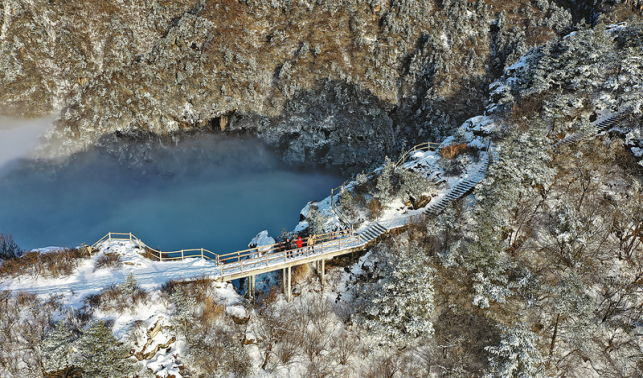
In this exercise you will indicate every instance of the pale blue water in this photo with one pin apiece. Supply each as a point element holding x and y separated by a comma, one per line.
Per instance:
<point>216,194</point>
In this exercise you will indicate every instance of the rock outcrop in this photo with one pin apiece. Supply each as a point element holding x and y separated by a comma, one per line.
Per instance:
<point>333,82</point>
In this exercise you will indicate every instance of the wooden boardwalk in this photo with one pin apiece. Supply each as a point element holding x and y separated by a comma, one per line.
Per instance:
<point>263,259</point>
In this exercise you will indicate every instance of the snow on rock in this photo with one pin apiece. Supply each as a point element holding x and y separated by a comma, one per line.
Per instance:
<point>325,210</point>
<point>262,239</point>
<point>479,125</point>
<point>48,249</point>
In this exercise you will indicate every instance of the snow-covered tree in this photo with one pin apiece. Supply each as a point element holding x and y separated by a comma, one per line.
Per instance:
<point>517,355</point>
<point>397,308</point>
<point>346,202</point>
<point>507,196</point>
<point>385,182</point>
<point>8,247</point>
<point>100,355</point>
<point>129,286</point>
<point>316,221</point>
<point>184,308</point>
<point>57,348</point>
<point>414,185</point>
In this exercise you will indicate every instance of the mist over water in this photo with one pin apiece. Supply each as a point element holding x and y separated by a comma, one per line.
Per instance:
<point>17,139</point>
<point>213,192</point>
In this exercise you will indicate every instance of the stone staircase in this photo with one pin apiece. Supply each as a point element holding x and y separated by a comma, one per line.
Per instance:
<point>371,232</point>
<point>436,207</point>
<point>601,124</point>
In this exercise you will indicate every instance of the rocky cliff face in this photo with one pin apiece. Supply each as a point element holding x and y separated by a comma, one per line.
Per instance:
<point>334,82</point>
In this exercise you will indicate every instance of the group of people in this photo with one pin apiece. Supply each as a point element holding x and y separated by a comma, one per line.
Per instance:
<point>290,243</point>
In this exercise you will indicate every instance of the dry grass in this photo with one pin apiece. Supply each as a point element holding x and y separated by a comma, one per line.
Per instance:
<point>454,150</point>
<point>108,260</point>
<point>150,254</point>
<point>300,273</point>
<point>55,264</point>
<point>114,300</point>
<point>199,288</point>
<point>212,311</point>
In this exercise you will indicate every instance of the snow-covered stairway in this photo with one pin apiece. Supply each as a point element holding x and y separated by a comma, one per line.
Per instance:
<point>601,124</point>
<point>436,207</point>
<point>371,232</point>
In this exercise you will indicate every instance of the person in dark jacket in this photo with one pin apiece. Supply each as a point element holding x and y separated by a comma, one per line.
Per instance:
<point>289,247</point>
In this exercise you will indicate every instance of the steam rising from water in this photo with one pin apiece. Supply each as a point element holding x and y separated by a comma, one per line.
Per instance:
<point>213,192</point>
<point>18,138</point>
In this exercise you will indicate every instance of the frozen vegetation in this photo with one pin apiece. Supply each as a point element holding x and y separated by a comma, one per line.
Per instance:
<point>534,272</point>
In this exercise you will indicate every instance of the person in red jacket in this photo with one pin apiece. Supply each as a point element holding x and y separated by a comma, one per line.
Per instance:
<point>300,243</point>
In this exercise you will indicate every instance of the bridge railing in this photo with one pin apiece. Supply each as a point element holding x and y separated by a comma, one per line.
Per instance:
<point>321,242</point>
<point>243,265</point>
<point>427,146</point>
<point>158,254</point>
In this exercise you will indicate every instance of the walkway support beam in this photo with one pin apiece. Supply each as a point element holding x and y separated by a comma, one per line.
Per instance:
<point>289,284</point>
<point>323,275</point>
<point>252,283</point>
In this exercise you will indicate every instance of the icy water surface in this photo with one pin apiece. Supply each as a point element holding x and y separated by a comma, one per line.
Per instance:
<point>215,192</point>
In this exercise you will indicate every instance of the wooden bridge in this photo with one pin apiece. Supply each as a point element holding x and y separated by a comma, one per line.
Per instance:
<point>268,258</point>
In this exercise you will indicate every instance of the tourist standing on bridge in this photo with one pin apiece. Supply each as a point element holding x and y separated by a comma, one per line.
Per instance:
<point>289,247</point>
<point>311,242</point>
<point>300,243</point>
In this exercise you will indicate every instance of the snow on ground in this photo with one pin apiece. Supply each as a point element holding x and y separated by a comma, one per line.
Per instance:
<point>150,275</point>
<point>85,281</point>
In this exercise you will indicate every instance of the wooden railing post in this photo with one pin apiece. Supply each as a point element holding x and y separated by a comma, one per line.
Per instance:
<point>160,256</point>
<point>218,260</point>
<point>110,237</point>
<point>201,253</point>
<point>182,258</point>
<point>130,236</point>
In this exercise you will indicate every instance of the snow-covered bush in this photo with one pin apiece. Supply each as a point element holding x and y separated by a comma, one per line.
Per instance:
<point>215,352</point>
<point>55,263</point>
<point>108,260</point>
<point>119,298</point>
<point>414,186</point>
<point>24,322</point>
